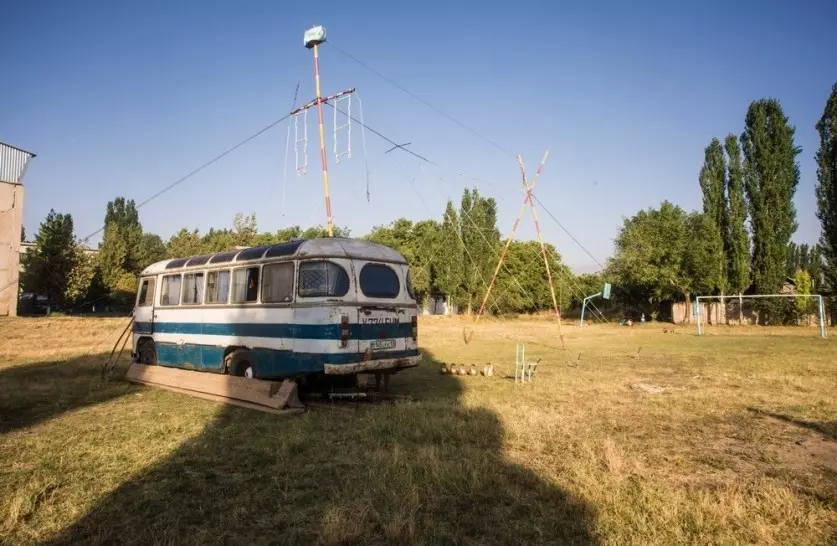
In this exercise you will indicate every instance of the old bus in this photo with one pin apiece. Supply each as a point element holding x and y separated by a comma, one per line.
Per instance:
<point>303,309</point>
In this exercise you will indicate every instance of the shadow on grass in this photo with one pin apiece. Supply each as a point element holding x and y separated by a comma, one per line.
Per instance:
<point>35,392</point>
<point>429,471</point>
<point>827,428</point>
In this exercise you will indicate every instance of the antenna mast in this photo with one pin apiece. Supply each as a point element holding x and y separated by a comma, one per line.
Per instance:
<point>312,38</point>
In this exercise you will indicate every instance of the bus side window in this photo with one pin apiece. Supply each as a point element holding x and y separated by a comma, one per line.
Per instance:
<point>170,290</point>
<point>246,285</point>
<point>278,283</point>
<point>146,295</point>
<point>217,286</point>
<point>193,289</point>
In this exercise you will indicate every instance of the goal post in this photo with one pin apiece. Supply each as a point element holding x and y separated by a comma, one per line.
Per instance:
<point>817,297</point>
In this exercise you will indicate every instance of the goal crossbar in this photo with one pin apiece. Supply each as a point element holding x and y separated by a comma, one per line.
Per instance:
<point>818,297</point>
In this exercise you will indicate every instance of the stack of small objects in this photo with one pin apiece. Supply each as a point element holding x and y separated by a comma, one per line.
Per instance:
<point>454,369</point>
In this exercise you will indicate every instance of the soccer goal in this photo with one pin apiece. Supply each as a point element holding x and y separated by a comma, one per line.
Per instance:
<point>721,312</point>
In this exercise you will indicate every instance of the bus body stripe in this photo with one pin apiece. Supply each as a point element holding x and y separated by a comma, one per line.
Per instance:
<point>279,330</point>
<point>268,363</point>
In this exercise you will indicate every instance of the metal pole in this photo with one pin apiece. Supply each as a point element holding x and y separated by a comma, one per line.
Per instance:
<point>322,140</point>
<point>584,305</point>
<point>697,306</point>
<point>822,316</point>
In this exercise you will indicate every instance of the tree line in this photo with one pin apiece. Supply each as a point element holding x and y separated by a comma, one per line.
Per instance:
<point>740,242</point>
<point>452,259</point>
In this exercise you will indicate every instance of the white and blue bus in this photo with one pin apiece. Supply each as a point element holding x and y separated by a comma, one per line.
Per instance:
<point>302,309</point>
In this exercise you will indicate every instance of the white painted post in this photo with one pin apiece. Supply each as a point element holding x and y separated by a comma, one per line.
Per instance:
<point>822,316</point>
<point>697,307</point>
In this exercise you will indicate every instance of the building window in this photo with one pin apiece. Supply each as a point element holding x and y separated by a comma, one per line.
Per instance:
<point>379,281</point>
<point>246,285</point>
<point>322,279</point>
<point>146,293</point>
<point>193,288</point>
<point>170,290</point>
<point>278,283</point>
<point>217,287</point>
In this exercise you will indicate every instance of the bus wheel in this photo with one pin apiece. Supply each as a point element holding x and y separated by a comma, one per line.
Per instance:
<point>240,363</point>
<point>147,353</point>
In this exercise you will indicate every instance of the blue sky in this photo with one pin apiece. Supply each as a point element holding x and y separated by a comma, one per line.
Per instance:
<point>122,98</point>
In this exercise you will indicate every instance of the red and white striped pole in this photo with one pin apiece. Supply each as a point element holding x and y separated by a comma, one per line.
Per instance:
<point>320,101</point>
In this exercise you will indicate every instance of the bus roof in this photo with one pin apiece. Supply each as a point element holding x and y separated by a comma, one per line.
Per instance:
<point>329,247</point>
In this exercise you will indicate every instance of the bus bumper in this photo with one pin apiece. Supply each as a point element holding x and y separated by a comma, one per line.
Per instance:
<point>379,364</point>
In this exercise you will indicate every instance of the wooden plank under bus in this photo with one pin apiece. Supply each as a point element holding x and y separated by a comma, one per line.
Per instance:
<point>264,393</point>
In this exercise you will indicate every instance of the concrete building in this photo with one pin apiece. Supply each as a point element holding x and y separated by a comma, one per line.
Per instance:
<point>13,164</point>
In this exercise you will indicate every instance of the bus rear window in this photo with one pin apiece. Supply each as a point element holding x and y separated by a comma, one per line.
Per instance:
<point>379,281</point>
<point>322,279</point>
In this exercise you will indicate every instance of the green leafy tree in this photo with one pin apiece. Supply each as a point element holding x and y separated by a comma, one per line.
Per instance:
<point>771,176</point>
<point>802,280</point>
<point>215,240</point>
<point>185,243</point>
<point>122,244</point>
<point>826,188</point>
<point>245,229</point>
<point>815,268</point>
<point>151,249</point>
<point>47,267</point>
<point>449,265</point>
<point>712,182</point>
<point>112,256</point>
<point>738,242</point>
<point>321,231</point>
<point>650,252</point>
<point>80,279</point>
<point>793,259</point>
<point>522,285</point>
<point>22,234</point>
<point>481,239</point>
<point>704,253</point>
<point>288,234</point>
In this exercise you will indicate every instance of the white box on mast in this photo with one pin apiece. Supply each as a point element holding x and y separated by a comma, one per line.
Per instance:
<point>314,36</point>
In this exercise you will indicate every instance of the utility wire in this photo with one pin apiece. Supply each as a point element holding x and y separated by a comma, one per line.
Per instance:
<point>421,100</point>
<point>182,179</point>
<point>407,150</point>
<point>581,246</point>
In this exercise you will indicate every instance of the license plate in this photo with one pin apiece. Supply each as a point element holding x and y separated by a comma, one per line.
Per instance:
<point>382,344</point>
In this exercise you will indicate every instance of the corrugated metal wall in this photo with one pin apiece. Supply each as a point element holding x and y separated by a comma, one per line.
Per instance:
<point>13,163</point>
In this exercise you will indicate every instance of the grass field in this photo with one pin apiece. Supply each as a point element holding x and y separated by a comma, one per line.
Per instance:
<point>633,436</point>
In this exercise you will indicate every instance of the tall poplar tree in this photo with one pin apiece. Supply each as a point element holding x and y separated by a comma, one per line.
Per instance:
<point>712,181</point>
<point>827,188</point>
<point>771,175</point>
<point>738,242</point>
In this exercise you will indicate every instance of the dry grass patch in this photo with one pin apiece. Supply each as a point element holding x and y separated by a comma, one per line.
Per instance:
<point>735,448</point>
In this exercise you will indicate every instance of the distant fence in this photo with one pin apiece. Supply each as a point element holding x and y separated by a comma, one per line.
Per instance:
<point>733,311</point>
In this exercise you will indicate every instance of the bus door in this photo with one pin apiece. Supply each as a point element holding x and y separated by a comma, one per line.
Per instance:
<point>144,311</point>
